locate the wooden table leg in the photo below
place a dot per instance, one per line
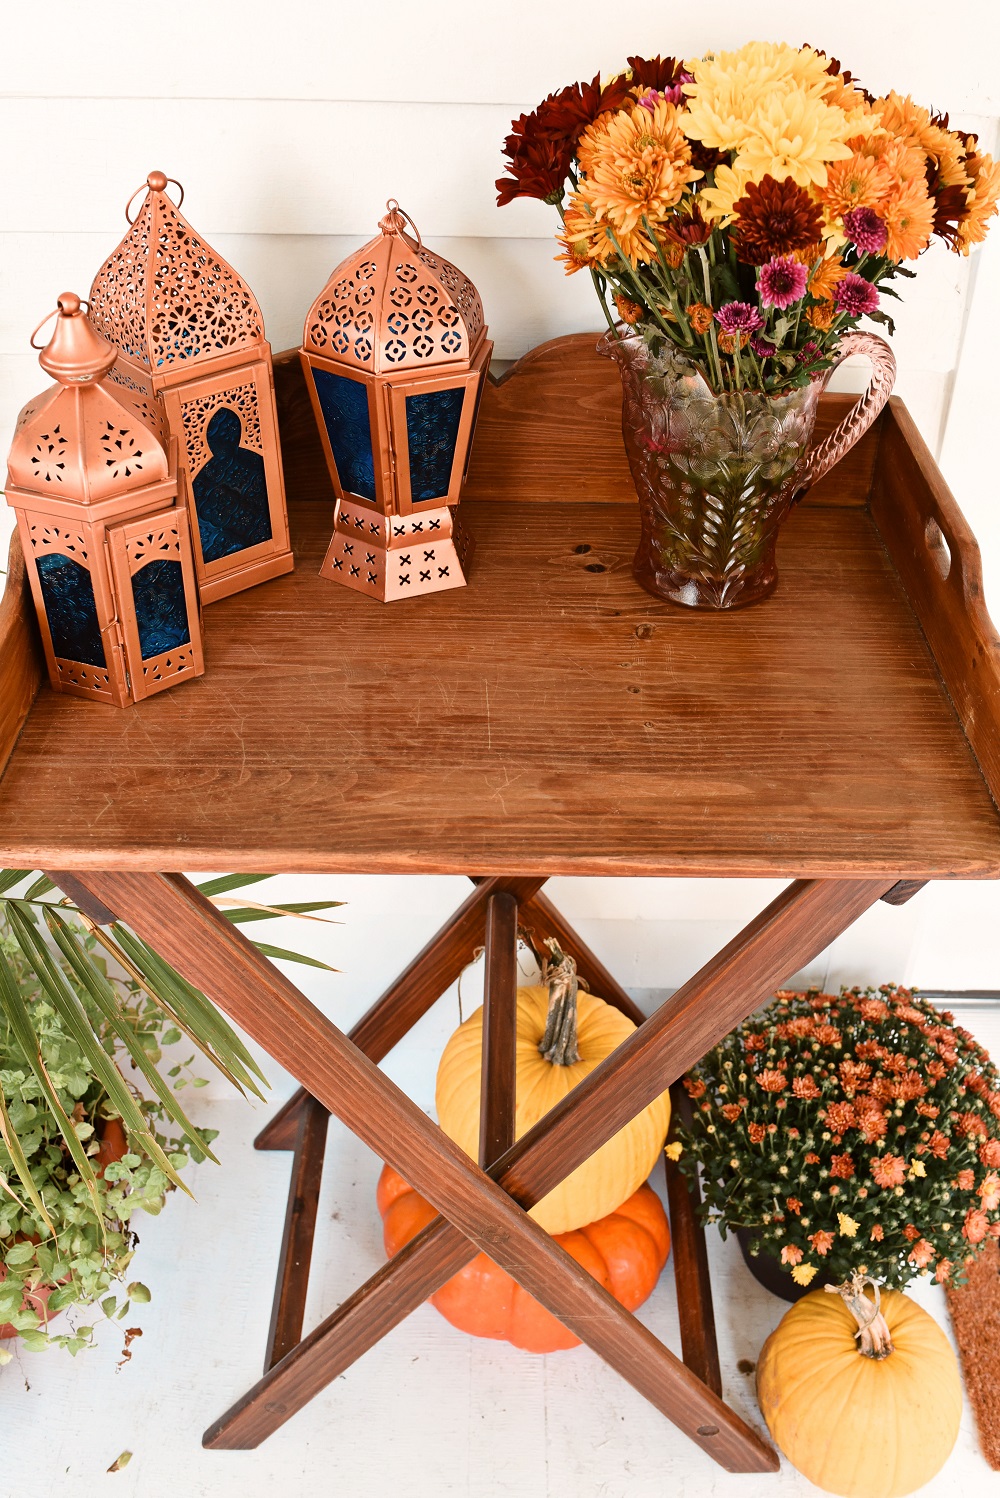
(498, 1078)
(189, 932)
(292, 1287)
(695, 1311)
(418, 987)
(800, 923)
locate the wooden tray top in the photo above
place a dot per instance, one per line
(551, 717)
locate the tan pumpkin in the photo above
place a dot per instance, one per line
(578, 1031)
(862, 1395)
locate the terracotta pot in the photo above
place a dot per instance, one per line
(113, 1146)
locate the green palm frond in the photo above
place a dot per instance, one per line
(100, 982)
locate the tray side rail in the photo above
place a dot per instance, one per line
(21, 664)
(937, 557)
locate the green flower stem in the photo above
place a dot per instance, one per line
(713, 341)
(666, 282)
(595, 277)
(626, 265)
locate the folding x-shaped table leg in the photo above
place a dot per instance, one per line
(485, 1210)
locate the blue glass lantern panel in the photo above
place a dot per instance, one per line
(344, 404)
(71, 610)
(161, 608)
(230, 491)
(432, 422)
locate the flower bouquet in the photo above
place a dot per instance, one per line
(741, 212)
(847, 1135)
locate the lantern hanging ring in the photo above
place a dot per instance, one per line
(73, 304)
(393, 207)
(156, 182)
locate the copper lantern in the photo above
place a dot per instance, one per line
(93, 478)
(395, 353)
(189, 333)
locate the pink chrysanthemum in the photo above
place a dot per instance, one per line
(739, 317)
(781, 281)
(855, 296)
(866, 231)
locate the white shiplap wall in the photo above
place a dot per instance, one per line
(290, 125)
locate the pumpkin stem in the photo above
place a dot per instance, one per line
(559, 1044)
(873, 1337)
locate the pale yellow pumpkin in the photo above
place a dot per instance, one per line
(854, 1423)
(618, 1168)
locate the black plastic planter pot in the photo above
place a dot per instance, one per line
(768, 1271)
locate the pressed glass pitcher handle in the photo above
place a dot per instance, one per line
(860, 417)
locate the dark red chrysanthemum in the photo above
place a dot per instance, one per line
(540, 147)
(688, 228)
(775, 218)
(659, 73)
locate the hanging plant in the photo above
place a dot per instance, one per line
(92, 1129)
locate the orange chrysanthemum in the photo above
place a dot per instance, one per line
(981, 202)
(585, 241)
(630, 312)
(636, 164)
(700, 317)
(915, 126)
(909, 219)
(888, 1170)
(820, 317)
(860, 182)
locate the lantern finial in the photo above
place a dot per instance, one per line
(395, 221)
(76, 354)
(157, 181)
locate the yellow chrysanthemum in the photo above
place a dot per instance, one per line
(719, 202)
(770, 105)
(804, 1274)
(728, 87)
(981, 202)
(909, 219)
(794, 135)
(674, 1150)
(847, 1225)
(636, 164)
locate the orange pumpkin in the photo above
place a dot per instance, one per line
(624, 1252)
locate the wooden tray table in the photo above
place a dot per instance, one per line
(551, 718)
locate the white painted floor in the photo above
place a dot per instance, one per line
(429, 1413)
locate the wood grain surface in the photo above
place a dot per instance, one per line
(937, 557)
(551, 717)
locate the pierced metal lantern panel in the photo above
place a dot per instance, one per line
(395, 352)
(164, 297)
(154, 578)
(190, 335)
(106, 545)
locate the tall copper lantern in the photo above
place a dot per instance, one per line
(189, 333)
(93, 478)
(395, 353)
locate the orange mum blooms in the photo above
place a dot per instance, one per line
(909, 219)
(636, 165)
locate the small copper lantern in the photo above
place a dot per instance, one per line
(189, 332)
(92, 476)
(395, 353)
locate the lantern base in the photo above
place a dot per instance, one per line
(261, 571)
(399, 556)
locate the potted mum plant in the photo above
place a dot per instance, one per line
(846, 1136)
(92, 1127)
(742, 212)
